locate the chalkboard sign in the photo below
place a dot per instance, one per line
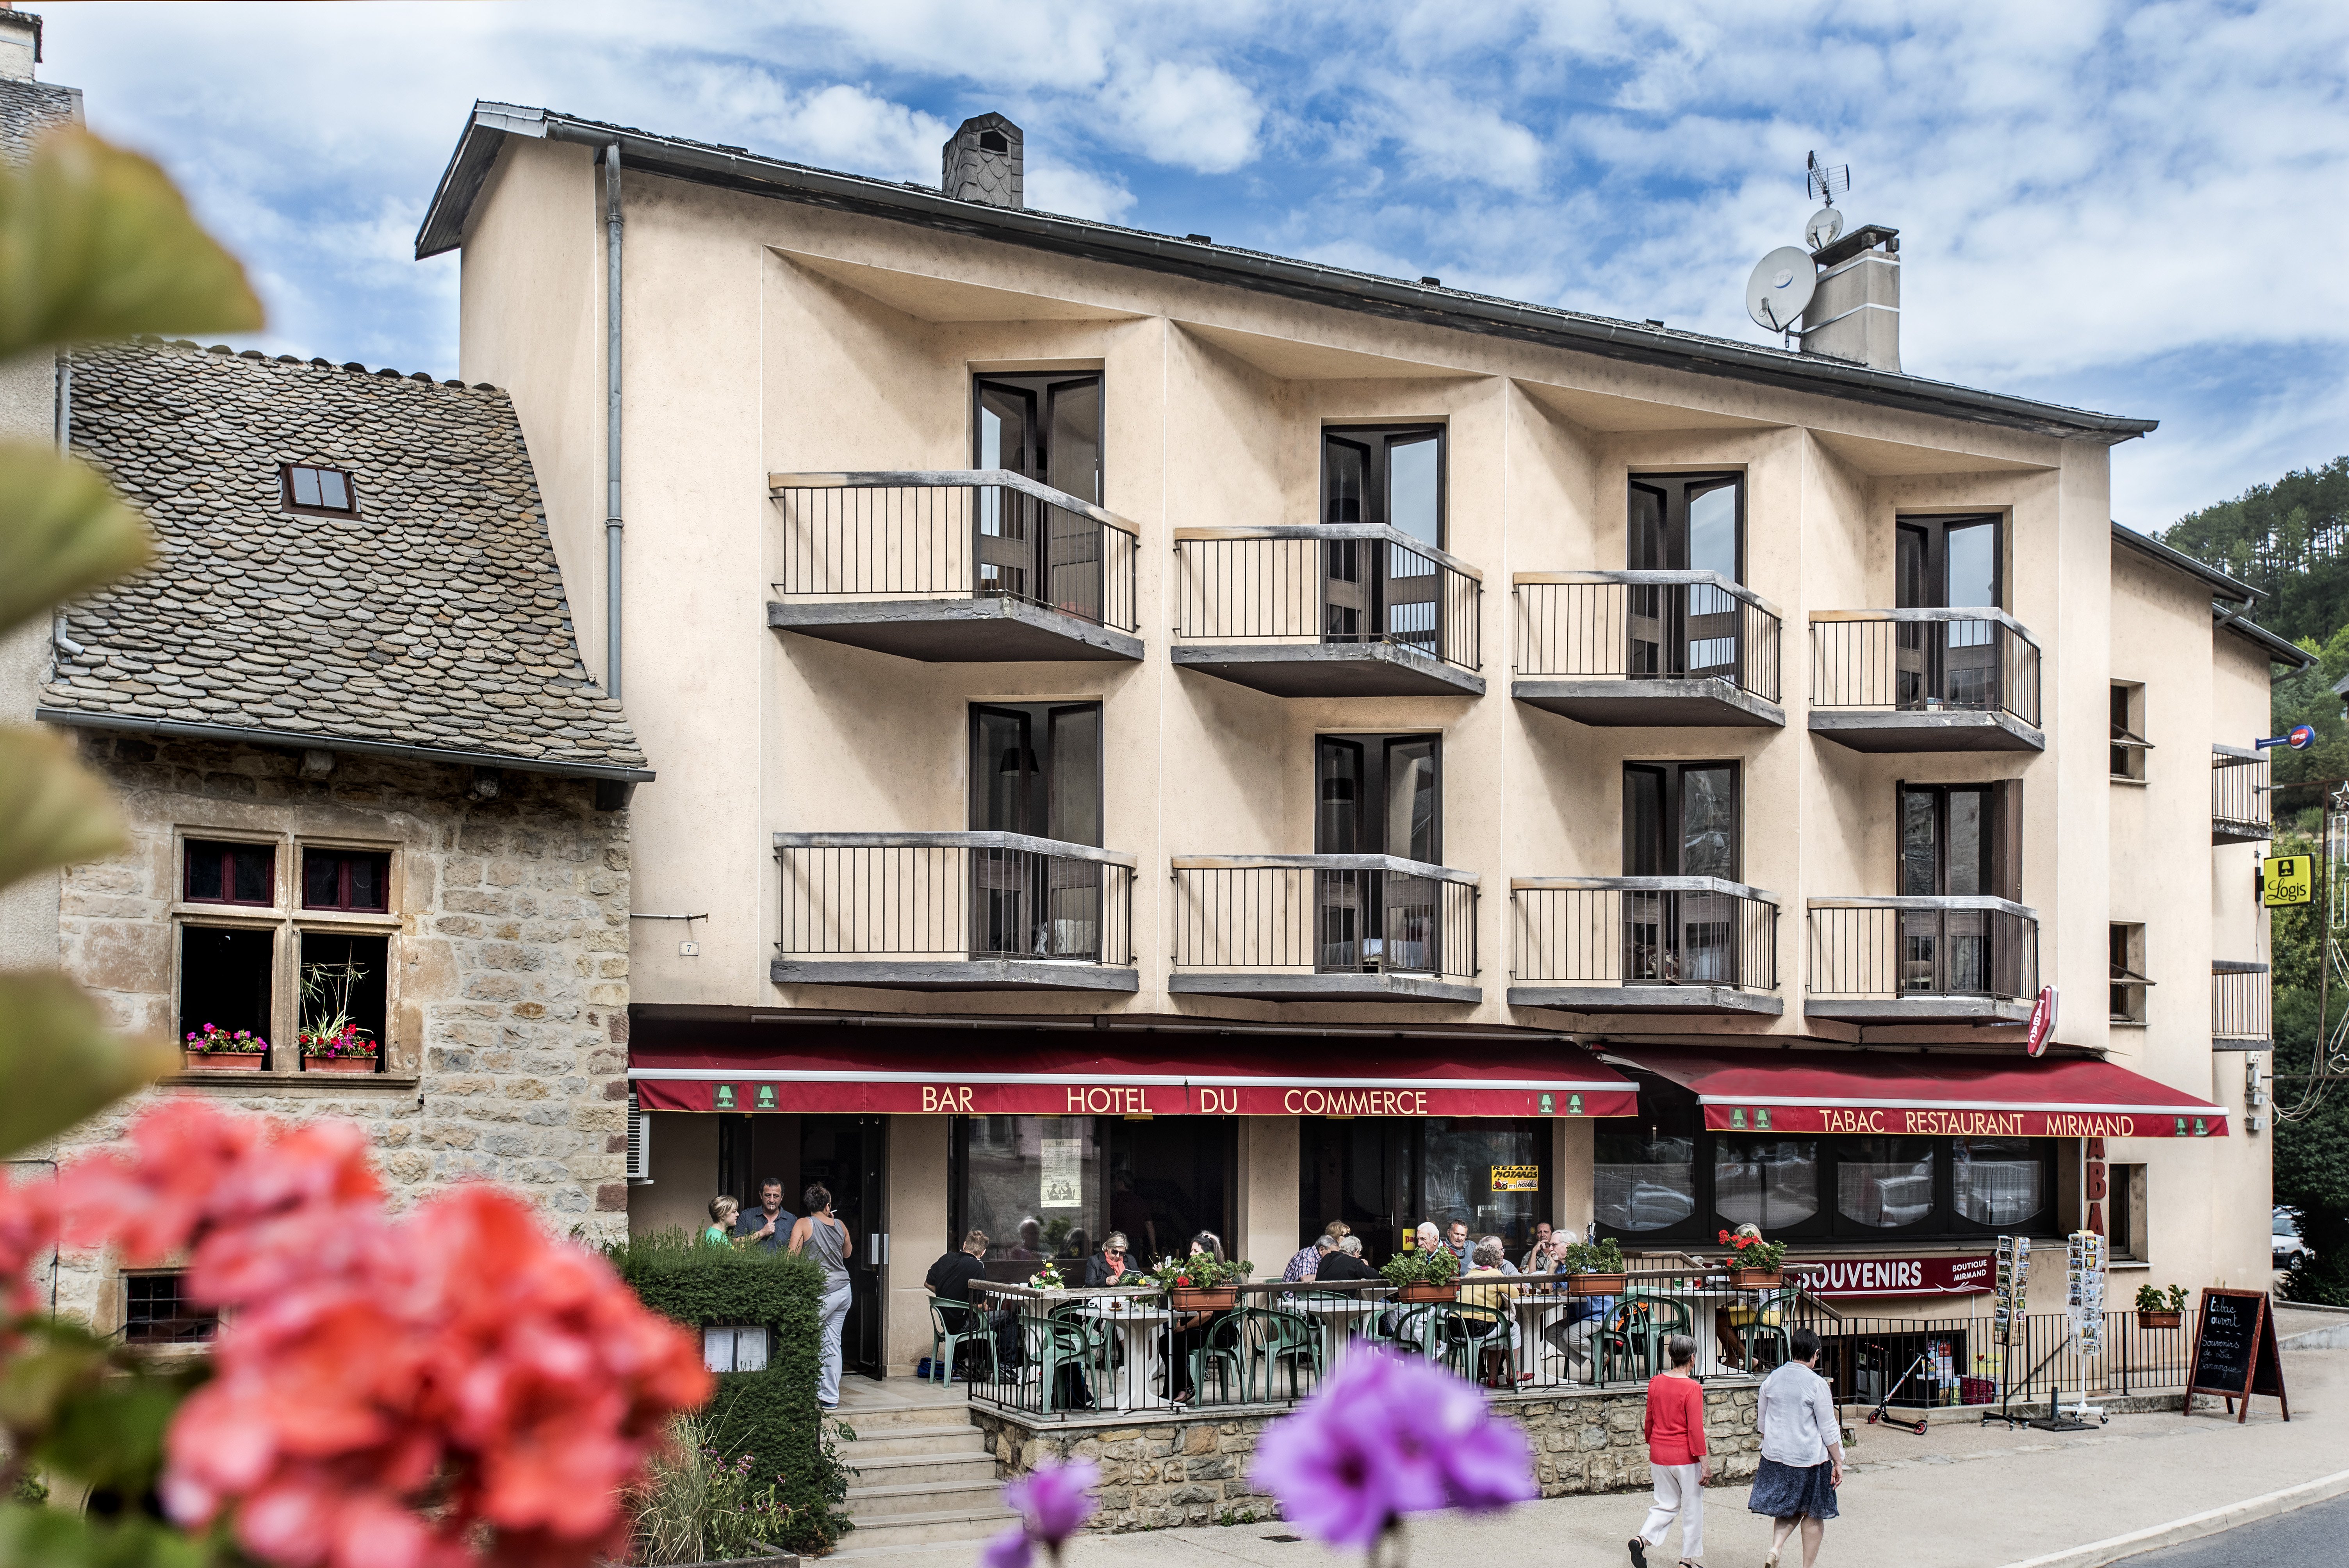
(2235, 1353)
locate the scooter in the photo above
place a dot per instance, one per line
(1877, 1415)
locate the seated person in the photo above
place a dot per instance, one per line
(951, 1277)
(1345, 1263)
(1108, 1266)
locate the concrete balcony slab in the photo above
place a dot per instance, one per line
(956, 974)
(977, 631)
(1977, 1010)
(1718, 1000)
(1893, 730)
(1329, 669)
(1708, 704)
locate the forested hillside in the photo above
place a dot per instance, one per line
(2288, 539)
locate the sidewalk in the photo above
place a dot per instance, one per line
(1962, 1497)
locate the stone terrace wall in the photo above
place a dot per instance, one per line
(510, 968)
(1175, 1471)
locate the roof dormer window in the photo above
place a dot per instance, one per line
(326, 492)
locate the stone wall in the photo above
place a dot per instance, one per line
(508, 977)
(1167, 1471)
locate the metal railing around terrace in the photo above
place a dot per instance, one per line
(1326, 914)
(2240, 811)
(981, 533)
(1334, 584)
(2239, 993)
(1925, 661)
(1644, 930)
(1900, 949)
(1959, 1360)
(953, 895)
(1647, 625)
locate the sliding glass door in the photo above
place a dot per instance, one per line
(1377, 794)
(1036, 769)
(1679, 819)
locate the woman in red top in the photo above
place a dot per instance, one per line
(1676, 1456)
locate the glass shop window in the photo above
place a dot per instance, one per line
(1998, 1182)
(1883, 1184)
(1644, 1176)
(230, 873)
(1458, 1166)
(1773, 1183)
(1035, 1184)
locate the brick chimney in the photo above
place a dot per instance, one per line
(20, 42)
(1855, 314)
(982, 161)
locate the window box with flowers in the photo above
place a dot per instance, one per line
(349, 1051)
(214, 1049)
(1201, 1283)
(1753, 1264)
(1595, 1268)
(1432, 1275)
(330, 1040)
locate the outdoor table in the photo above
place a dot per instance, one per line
(1338, 1319)
(1536, 1311)
(1141, 1327)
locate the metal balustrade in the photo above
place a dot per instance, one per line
(1647, 625)
(953, 895)
(1335, 585)
(1919, 949)
(2239, 1000)
(1925, 662)
(1327, 914)
(931, 535)
(1631, 931)
(2240, 811)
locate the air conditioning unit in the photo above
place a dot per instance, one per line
(640, 1143)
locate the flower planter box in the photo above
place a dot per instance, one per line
(224, 1061)
(2162, 1319)
(1193, 1299)
(338, 1063)
(1596, 1283)
(1755, 1279)
(1427, 1290)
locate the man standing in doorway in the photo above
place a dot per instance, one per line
(768, 1226)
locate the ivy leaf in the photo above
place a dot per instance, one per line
(62, 531)
(53, 811)
(59, 1062)
(97, 242)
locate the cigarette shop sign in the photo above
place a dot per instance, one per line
(1902, 1276)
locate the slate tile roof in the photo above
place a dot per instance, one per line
(435, 618)
(27, 110)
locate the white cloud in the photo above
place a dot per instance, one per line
(1076, 192)
(1190, 116)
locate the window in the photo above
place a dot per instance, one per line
(1773, 1183)
(2125, 1213)
(156, 1311)
(1036, 769)
(1883, 1184)
(1048, 428)
(225, 980)
(1679, 819)
(2126, 948)
(327, 491)
(1644, 1174)
(1378, 795)
(1393, 476)
(2129, 743)
(1948, 564)
(1684, 523)
(1962, 840)
(356, 879)
(343, 985)
(230, 873)
(1054, 1186)
(2001, 1183)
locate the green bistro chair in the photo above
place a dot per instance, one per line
(1765, 1323)
(1630, 1344)
(943, 1340)
(1056, 1346)
(1287, 1339)
(1414, 1330)
(1225, 1349)
(1103, 1352)
(1465, 1332)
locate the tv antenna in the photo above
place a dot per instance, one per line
(1826, 182)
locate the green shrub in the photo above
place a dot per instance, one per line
(770, 1416)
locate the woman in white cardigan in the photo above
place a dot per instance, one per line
(1802, 1451)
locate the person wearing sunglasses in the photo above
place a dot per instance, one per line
(1108, 1266)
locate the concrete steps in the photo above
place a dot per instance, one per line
(926, 1477)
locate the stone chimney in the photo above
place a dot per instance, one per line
(20, 42)
(1855, 314)
(982, 162)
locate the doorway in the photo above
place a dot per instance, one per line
(1390, 474)
(849, 1156)
(1681, 819)
(1377, 794)
(1948, 564)
(1046, 428)
(1036, 769)
(1684, 523)
(1960, 842)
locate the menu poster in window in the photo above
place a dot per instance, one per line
(1062, 1178)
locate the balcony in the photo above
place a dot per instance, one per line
(1644, 945)
(2238, 795)
(981, 566)
(1324, 928)
(1925, 680)
(1343, 610)
(1647, 648)
(1951, 960)
(2239, 1007)
(953, 911)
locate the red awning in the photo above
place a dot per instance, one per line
(1967, 1097)
(1013, 1072)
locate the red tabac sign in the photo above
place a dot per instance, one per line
(1901, 1276)
(2043, 1023)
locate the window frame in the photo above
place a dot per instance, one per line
(2128, 744)
(1671, 488)
(185, 846)
(2127, 985)
(125, 1279)
(285, 501)
(343, 879)
(1381, 438)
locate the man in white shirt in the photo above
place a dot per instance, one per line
(1802, 1450)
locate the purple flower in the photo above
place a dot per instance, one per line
(1011, 1548)
(1054, 1501)
(1383, 1438)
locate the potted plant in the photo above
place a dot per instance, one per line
(347, 1050)
(1046, 1278)
(1200, 1283)
(2160, 1308)
(1753, 1264)
(1430, 1276)
(214, 1049)
(331, 1041)
(1595, 1268)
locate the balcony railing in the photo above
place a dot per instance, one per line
(1647, 625)
(1335, 585)
(2239, 993)
(1324, 914)
(1921, 950)
(1925, 662)
(2240, 813)
(981, 533)
(1632, 933)
(952, 897)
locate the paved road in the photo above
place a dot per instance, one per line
(2314, 1534)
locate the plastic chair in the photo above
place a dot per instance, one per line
(972, 1331)
(1630, 1343)
(1055, 1346)
(1413, 1331)
(1225, 1349)
(1467, 1332)
(1765, 1321)
(1284, 1338)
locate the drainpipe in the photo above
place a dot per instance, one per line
(59, 641)
(612, 416)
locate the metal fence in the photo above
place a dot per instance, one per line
(2240, 1019)
(1647, 625)
(1925, 661)
(1887, 949)
(1917, 1362)
(983, 533)
(1324, 914)
(1644, 930)
(2239, 811)
(1343, 582)
(953, 895)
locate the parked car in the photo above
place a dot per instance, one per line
(2288, 1245)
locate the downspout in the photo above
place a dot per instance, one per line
(612, 418)
(59, 643)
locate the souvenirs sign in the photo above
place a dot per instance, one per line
(2235, 1353)
(1901, 1276)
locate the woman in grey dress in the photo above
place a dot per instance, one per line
(819, 1234)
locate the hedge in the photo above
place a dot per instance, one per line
(770, 1415)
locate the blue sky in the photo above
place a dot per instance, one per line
(2139, 209)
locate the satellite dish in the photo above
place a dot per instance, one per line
(1780, 288)
(1826, 224)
